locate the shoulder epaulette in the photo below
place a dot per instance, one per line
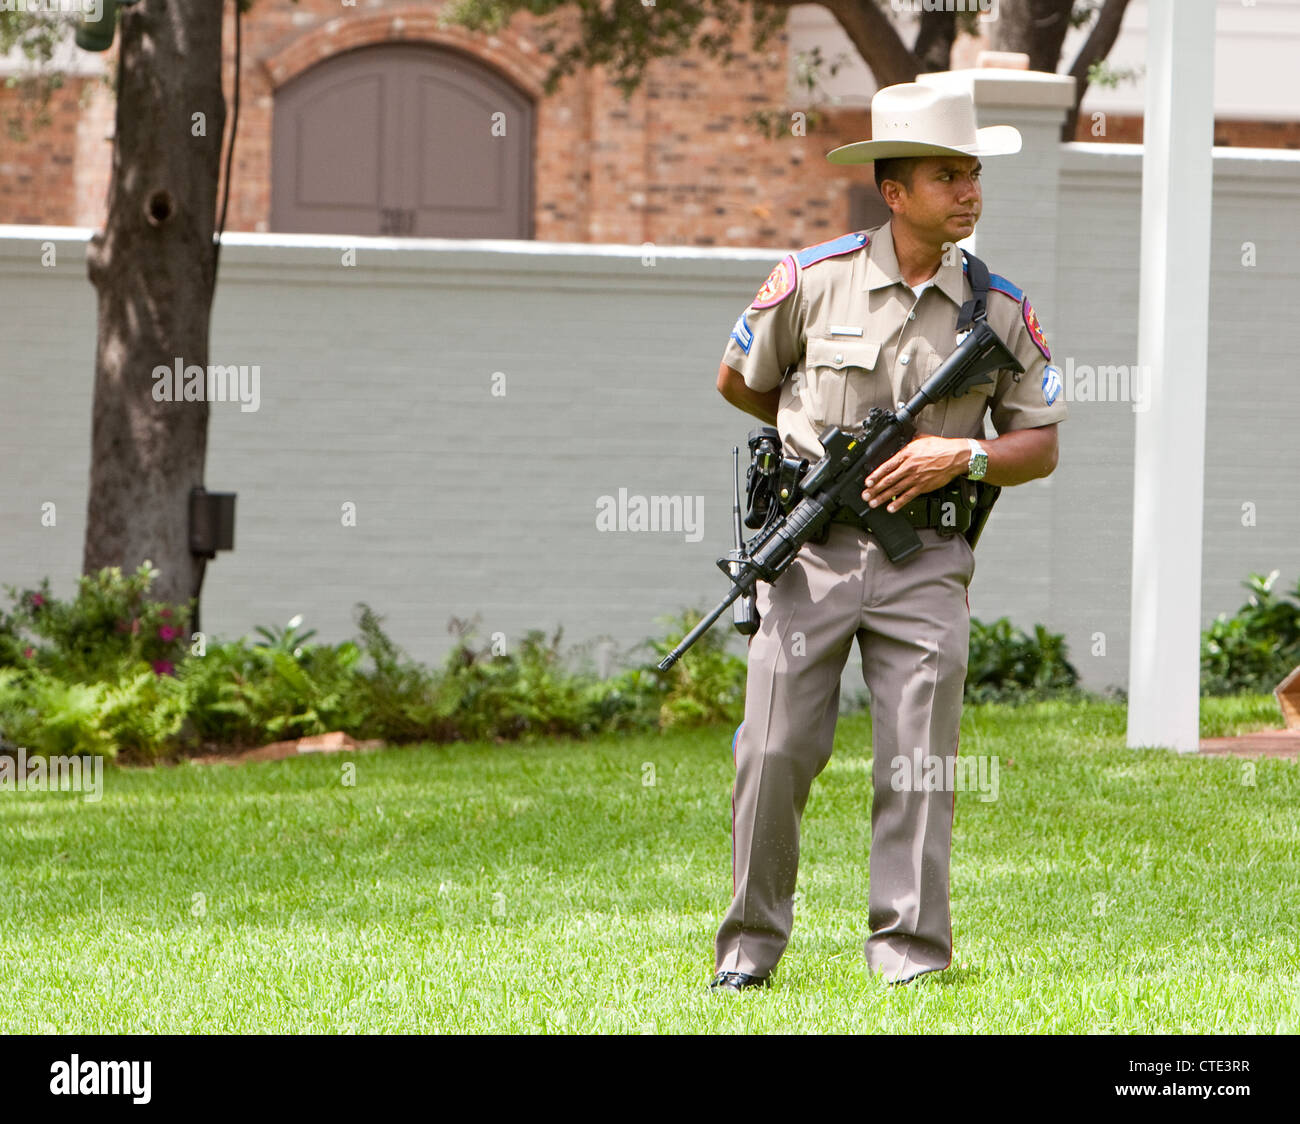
(811, 255)
(1002, 285)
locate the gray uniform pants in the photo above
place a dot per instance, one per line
(912, 622)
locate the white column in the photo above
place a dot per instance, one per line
(1169, 454)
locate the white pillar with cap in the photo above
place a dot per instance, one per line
(1169, 453)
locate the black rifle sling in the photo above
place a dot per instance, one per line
(975, 308)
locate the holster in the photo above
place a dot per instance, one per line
(984, 501)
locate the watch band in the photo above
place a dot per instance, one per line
(979, 461)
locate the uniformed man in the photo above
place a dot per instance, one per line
(838, 328)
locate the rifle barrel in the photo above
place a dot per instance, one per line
(700, 629)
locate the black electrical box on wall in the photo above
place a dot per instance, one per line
(212, 522)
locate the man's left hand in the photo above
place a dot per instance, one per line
(922, 465)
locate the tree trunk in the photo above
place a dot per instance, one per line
(1033, 27)
(934, 40)
(154, 267)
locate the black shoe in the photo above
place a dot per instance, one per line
(909, 979)
(738, 981)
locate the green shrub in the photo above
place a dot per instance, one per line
(15, 651)
(630, 700)
(47, 715)
(1007, 665)
(705, 685)
(217, 712)
(487, 694)
(102, 635)
(396, 694)
(281, 688)
(140, 714)
(1257, 647)
(72, 679)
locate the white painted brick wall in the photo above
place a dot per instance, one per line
(376, 389)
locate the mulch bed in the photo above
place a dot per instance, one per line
(276, 751)
(1263, 743)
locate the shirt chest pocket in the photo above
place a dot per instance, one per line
(917, 361)
(839, 377)
(948, 417)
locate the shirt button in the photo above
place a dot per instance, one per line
(911, 315)
(839, 359)
(904, 360)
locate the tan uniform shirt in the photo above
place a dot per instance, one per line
(845, 333)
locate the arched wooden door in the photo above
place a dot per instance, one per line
(402, 140)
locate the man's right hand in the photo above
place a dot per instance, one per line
(762, 404)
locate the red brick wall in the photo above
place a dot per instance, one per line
(38, 175)
(94, 159)
(57, 175)
(677, 164)
(1124, 129)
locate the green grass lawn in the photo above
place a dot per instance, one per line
(546, 887)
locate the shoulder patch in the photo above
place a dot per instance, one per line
(742, 333)
(779, 284)
(811, 255)
(1051, 384)
(1000, 284)
(1035, 329)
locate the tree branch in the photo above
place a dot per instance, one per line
(934, 40)
(876, 38)
(1035, 27)
(1095, 48)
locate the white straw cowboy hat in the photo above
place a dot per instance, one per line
(915, 120)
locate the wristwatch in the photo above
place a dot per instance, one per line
(979, 461)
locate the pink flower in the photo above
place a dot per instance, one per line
(164, 667)
(29, 652)
(37, 600)
(165, 613)
(166, 632)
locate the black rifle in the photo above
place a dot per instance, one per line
(837, 480)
